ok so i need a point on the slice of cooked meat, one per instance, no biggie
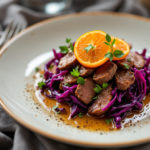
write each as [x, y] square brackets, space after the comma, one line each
[53, 68]
[124, 79]
[125, 63]
[102, 100]
[68, 61]
[86, 92]
[68, 78]
[105, 72]
[85, 71]
[137, 59]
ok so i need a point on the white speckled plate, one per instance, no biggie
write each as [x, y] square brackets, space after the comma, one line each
[17, 62]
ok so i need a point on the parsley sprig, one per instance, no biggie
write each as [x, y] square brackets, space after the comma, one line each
[66, 48]
[126, 66]
[80, 80]
[104, 85]
[89, 47]
[108, 121]
[37, 69]
[80, 114]
[41, 84]
[99, 88]
[112, 53]
[75, 73]
[67, 84]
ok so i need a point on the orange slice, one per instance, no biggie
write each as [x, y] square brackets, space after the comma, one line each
[123, 46]
[96, 55]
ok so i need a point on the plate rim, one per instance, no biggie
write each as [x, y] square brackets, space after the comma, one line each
[52, 136]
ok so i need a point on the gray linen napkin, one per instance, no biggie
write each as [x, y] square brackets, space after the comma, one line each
[12, 135]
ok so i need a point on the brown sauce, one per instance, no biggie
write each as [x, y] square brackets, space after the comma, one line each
[89, 122]
[85, 122]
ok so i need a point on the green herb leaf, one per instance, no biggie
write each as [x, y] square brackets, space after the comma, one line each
[71, 46]
[75, 72]
[41, 75]
[95, 98]
[113, 42]
[64, 49]
[129, 59]
[51, 66]
[54, 109]
[80, 80]
[107, 43]
[68, 40]
[41, 84]
[109, 55]
[108, 121]
[67, 84]
[97, 89]
[80, 115]
[37, 69]
[118, 53]
[89, 47]
[126, 66]
[108, 37]
[104, 85]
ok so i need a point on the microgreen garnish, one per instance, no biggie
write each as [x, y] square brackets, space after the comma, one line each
[104, 85]
[80, 115]
[41, 75]
[108, 38]
[80, 80]
[97, 89]
[129, 59]
[66, 48]
[55, 109]
[95, 98]
[71, 46]
[51, 66]
[68, 40]
[89, 47]
[118, 53]
[108, 121]
[41, 84]
[126, 66]
[113, 42]
[37, 69]
[112, 53]
[67, 84]
[75, 72]
[109, 55]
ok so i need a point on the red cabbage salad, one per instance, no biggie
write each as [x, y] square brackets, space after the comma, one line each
[87, 91]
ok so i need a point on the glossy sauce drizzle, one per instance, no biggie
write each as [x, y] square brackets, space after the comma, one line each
[89, 122]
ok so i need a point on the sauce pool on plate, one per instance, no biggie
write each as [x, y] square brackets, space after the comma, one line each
[87, 122]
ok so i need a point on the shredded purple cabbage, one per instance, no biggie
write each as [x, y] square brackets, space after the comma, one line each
[60, 110]
[75, 110]
[131, 99]
[122, 103]
[52, 91]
